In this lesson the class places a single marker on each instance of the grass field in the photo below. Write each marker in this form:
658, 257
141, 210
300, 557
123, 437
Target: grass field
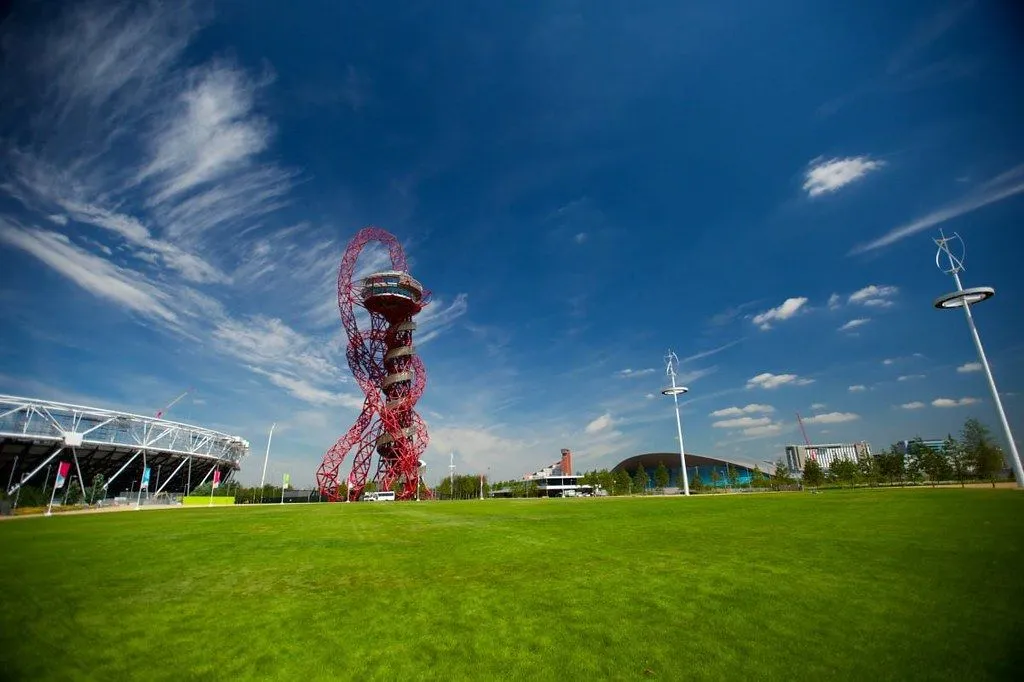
870, 585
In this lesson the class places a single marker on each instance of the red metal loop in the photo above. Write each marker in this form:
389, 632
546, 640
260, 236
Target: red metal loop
387, 424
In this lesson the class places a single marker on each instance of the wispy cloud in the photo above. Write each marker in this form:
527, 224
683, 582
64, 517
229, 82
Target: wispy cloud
789, 308
1001, 187
708, 353
826, 176
818, 406
601, 423
857, 388
853, 324
94, 274
916, 405
951, 402
910, 377
770, 381
631, 373
969, 367
834, 301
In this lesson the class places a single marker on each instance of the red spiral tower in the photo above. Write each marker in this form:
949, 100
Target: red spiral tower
384, 361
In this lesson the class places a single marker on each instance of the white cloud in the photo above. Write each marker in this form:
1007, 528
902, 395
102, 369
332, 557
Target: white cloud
834, 301
888, 361
789, 308
580, 237
969, 367
650, 396
630, 373
769, 380
305, 391
752, 408
742, 423
828, 176
874, 295
600, 424
950, 402
910, 377
94, 274
832, 418
857, 388
916, 405
853, 324
818, 406
763, 431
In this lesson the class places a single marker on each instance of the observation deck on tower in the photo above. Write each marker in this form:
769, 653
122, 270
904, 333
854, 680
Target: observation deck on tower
392, 294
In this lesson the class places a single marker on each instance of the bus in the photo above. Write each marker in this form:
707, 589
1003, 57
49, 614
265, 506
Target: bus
388, 496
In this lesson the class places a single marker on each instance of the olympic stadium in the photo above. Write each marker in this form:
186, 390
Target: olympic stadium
696, 466
35, 435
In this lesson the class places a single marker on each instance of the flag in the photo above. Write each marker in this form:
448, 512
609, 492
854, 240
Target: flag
145, 479
216, 478
287, 480
62, 472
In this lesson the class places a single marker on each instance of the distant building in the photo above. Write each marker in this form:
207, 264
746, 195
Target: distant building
934, 443
558, 479
825, 454
712, 471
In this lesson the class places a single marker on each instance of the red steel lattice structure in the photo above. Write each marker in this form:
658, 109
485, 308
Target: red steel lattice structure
391, 375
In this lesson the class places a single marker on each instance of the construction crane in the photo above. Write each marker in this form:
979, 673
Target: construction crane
812, 453
168, 406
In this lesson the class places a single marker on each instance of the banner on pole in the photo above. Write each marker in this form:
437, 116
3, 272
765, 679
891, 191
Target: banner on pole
216, 478
287, 480
62, 474
145, 479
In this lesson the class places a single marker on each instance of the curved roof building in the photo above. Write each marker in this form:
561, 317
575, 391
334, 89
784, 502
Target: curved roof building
696, 465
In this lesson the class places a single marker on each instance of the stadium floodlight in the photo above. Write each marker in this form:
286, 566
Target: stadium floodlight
965, 298
672, 362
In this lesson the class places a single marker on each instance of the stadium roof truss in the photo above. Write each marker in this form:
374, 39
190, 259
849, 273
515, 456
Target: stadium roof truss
41, 430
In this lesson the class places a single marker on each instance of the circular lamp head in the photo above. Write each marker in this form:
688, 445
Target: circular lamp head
958, 299
678, 390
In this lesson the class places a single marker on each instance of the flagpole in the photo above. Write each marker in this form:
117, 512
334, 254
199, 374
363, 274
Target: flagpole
53, 492
138, 500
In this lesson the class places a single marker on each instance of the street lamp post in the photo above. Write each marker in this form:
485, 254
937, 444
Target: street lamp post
965, 298
672, 362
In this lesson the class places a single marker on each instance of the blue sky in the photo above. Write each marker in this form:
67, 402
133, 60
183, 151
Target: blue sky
582, 185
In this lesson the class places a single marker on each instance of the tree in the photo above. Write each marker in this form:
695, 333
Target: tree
622, 482
696, 482
96, 491
640, 479
661, 476
843, 470
757, 479
731, 475
813, 474
891, 464
869, 470
985, 456
74, 492
782, 474
715, 478
956, 457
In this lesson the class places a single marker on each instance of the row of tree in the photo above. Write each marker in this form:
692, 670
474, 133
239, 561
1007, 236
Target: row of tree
974, 456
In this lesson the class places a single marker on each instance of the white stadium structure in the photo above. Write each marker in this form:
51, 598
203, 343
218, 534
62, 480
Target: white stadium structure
37, 434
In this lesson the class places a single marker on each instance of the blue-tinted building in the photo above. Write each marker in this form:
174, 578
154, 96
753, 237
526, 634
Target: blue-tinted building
696, 465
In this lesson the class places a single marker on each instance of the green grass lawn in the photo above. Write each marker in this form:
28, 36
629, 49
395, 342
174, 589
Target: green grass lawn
870, 585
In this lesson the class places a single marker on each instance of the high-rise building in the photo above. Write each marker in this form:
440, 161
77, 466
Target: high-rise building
825, 454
